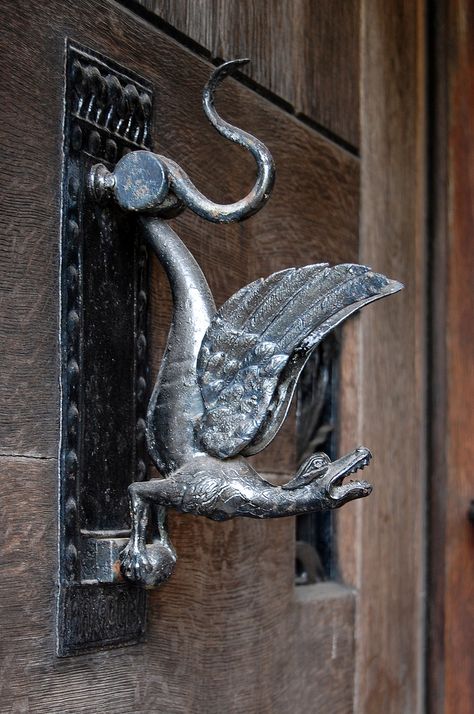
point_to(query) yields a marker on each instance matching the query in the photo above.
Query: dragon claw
(149, 565)
(135, 563)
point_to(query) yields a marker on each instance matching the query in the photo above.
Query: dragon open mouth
(344, 467)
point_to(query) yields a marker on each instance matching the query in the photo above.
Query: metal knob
(145, 182)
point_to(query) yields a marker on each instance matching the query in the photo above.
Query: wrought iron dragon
(228, 375)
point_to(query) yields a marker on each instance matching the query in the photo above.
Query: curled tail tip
(230, 66)
(220, 73)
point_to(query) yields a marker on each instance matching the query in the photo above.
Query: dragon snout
(350, 464)
(340, 492)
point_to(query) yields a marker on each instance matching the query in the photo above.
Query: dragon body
(223, 391)
(227, 376)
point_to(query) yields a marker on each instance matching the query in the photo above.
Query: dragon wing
(258, 343)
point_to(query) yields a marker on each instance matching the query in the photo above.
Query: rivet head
(76, 138)
(94, 143)
(141, 300)
(71, 511)
(72, 279)
(141, 346)
(73, 370)
(72, 322)
(141, 388)
(71, 463)
(71, 557)
(140, 429)
(110, 150)
(73, 230)
(73, 186)
(72, 420)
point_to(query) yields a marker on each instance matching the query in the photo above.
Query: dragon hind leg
(148, 564)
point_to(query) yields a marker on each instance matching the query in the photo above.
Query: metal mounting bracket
(104, 361)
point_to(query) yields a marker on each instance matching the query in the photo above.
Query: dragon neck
(176, 400)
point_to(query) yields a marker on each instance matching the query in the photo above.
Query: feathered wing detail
(258, 342)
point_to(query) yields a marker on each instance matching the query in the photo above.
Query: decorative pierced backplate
(104, 367)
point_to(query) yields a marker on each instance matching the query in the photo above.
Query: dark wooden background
(291, 45)
(230, 632)
(450, 684)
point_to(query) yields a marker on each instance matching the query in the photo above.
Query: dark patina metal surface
(154, 183)
(104, 367)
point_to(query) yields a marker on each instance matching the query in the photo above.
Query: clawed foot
(135, 563)
(148, 565)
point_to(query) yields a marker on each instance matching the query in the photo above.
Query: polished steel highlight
(228, 376)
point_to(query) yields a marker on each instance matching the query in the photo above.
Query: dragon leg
(153, 563)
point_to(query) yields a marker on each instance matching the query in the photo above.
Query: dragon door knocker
(228, 376)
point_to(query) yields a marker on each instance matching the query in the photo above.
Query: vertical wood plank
(305, 52)
(327, 37)
(390, 558)
(451, 555)
(30, 180)
(229, 632)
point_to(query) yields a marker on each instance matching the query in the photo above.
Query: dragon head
(330, 476)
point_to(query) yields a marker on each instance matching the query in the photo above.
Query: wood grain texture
(30, 180)
(303, 51)
(229, 632)
(451, 559)
(347, 536)
(313, 213)
(390, 550)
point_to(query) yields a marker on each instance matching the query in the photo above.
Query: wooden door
(451, 573)
(231, 632)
